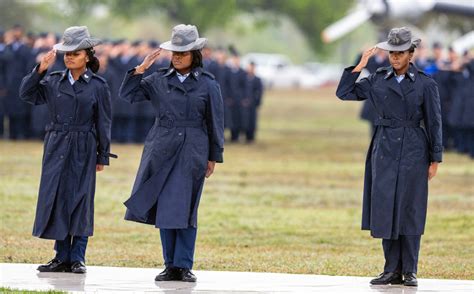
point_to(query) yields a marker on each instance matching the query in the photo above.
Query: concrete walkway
(141, 280)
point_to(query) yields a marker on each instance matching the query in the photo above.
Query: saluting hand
(210, 168)
(47, 60)
(432, 170)
(148, 61)
(365, 58)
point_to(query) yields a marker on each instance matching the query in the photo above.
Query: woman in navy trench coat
(76, 146)
(403, 154)
(181, 148)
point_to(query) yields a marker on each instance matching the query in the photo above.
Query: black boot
(187, 275)
(169, 274)
(78, 267)
(55, 265)
(410, 279)
(387, 278)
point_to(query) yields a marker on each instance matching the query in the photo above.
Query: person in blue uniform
(461, 115)
(237, 90)
(19, 62)
(403, 155)
(251, 104)
(123, 126)
(76, 146)
(181, 149)
(3, 79)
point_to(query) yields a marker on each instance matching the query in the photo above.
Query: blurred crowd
(241, 89)
(454, 74)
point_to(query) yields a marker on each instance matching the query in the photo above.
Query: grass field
(289, 203)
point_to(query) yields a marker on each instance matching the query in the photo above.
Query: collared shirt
(399, 78)
(70, 78)
(182, 77)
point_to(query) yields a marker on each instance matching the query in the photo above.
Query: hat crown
(75, 34)
(399, 36)
(183, 35)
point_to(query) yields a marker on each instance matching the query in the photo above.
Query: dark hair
(93, 63)
(197, 59)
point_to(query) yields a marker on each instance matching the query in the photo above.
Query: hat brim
(84, 44)
(388, 47)
(196, 45)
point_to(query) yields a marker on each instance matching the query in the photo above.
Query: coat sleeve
(432, 120)
(215, 123)
(33, 87)
(103, 125)
(134, 87)
(350, 89)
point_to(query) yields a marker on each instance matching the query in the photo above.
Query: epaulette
(420, 71)
(57, 72)
(209, 74)
(163, 69)
(100, 78)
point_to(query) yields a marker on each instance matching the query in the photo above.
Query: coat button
(399, 138)
(180, 134)
(168, 91)
(381, 156)
(58, 116)
(59, 95)
(384, 137)
(61, 156)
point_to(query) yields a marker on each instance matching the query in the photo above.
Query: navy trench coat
(77, 139)
(396, 172)
(188, 132)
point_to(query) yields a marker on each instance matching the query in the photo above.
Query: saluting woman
(181, 148)
(76, 146)
(403, 155)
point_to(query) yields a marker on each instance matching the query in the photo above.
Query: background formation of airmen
(241, 89)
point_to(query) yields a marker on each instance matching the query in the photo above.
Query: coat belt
(68, 127)
(394, 123)
(170, 123)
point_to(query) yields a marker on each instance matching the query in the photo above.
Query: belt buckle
(65, 127)
(168, 123)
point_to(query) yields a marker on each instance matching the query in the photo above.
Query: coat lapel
(394, 86)
(66, 87)
(174, 82)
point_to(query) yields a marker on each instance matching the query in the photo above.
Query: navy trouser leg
(63, 249)
(178, 247)
(402, 255)
(78, 248)
(410, 248)
(184, 249)
(168, 241)
(391, 250)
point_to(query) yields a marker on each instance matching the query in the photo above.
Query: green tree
(311, 16)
